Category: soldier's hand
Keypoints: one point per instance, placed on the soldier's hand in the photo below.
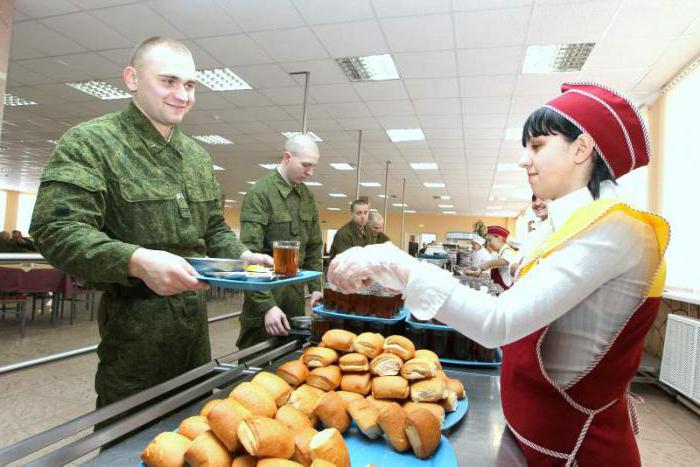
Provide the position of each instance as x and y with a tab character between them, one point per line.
315	297
163	272
257	258
276	323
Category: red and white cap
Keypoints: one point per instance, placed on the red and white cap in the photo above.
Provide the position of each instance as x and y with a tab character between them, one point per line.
612	121
497	230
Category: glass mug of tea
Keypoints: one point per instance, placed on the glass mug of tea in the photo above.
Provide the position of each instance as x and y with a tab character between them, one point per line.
286	256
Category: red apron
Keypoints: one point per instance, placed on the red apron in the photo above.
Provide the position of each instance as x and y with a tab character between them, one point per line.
496	277
591	422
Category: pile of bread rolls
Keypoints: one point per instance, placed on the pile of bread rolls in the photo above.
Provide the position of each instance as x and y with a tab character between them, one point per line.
254	426
384	385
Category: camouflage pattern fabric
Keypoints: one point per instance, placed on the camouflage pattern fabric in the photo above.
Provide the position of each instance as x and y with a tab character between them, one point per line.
349	236
114	184
381	237
273	210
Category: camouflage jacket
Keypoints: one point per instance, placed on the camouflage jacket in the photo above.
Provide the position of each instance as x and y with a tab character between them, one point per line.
349	236
114	184
381	237
273	210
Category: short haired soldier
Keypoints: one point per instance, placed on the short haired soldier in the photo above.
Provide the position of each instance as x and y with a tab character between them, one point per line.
355	232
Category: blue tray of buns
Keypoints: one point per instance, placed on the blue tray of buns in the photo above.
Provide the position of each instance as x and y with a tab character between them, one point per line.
400	316
452	418
242	283
364	451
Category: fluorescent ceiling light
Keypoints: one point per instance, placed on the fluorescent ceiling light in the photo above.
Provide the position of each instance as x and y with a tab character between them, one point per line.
99	89
333	209
434	185
221	79
513	134
494	208
212	139
502	198
445	205
14	101
405	134
218	167
268	166
508	167
230	200
337	195
342	166
313	136
409	211
369	68
242	192
556	58
399	205
313	183
250	182
390	196
424	166
449	212
52	141
370	184
444	197
501	186
502	214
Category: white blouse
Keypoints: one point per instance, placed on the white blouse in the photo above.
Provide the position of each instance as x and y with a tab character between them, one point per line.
585	291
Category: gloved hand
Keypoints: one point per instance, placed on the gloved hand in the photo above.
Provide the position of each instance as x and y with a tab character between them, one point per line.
257	258
384	263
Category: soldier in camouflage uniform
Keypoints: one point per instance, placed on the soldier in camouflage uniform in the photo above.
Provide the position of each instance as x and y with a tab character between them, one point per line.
355	232
123	198
281	207
375	221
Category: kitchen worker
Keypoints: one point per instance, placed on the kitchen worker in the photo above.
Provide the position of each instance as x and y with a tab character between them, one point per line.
503	256
281	207
122	200
354	233
572	326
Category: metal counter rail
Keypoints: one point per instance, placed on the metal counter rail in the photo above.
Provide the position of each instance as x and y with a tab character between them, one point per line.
227	374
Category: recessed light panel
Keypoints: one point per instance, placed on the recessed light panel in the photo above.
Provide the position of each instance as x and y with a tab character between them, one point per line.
313	136
369	68
13	101
399	135
99	89
221	79
556	58
424	166
212	139
434	185
342	166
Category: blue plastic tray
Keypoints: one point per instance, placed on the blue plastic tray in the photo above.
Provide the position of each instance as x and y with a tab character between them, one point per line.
364	451
452	418
256	285
334	314
451	361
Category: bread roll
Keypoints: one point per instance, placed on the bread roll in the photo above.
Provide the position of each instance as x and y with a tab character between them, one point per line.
245	461
330	446
273	462
392	421
192	426
423	432
359	383
292	418
339	339
208	406
429	390
430	355
457	387
322	463
207	450
349	396
325	378
400	346
302	440
305	398
353	362
265	437
436	409
293	372
390	387
380	403
418	368
224	419
369	344
315	357
386	364
254	398
330	409
166	450
449	403
277	387
365	415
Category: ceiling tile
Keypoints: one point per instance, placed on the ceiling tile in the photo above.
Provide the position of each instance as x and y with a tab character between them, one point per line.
352	39
321	71
149	22
490	61
42	8
435	88
410	7
334	11
390	108
381	90
35	36
437	106
441	64
245	98
87	31
332	93
290	44
474	121
234	50
412	34
17	75
487	86
485	105
622	80
406	121
284	96
265	76
261	15
542	84
645	18
475	5
637	53
440	121
196	19
552	24
485	28
365	123
92	65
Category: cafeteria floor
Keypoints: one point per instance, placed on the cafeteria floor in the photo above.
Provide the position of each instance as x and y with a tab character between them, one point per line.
39	398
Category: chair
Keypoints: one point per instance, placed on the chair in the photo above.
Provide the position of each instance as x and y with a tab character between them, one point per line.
20	302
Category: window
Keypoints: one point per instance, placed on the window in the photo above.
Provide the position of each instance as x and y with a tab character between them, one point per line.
426	238
3	203
25	208
330	235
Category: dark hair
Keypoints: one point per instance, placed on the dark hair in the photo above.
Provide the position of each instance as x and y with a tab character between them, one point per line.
547	122
358	202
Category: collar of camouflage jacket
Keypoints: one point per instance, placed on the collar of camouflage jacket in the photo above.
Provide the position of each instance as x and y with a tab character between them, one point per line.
153	140
282	185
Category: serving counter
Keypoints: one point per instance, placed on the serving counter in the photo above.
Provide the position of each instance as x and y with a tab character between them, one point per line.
479	439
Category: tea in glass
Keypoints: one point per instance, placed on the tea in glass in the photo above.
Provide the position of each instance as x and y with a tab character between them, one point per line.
286	256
